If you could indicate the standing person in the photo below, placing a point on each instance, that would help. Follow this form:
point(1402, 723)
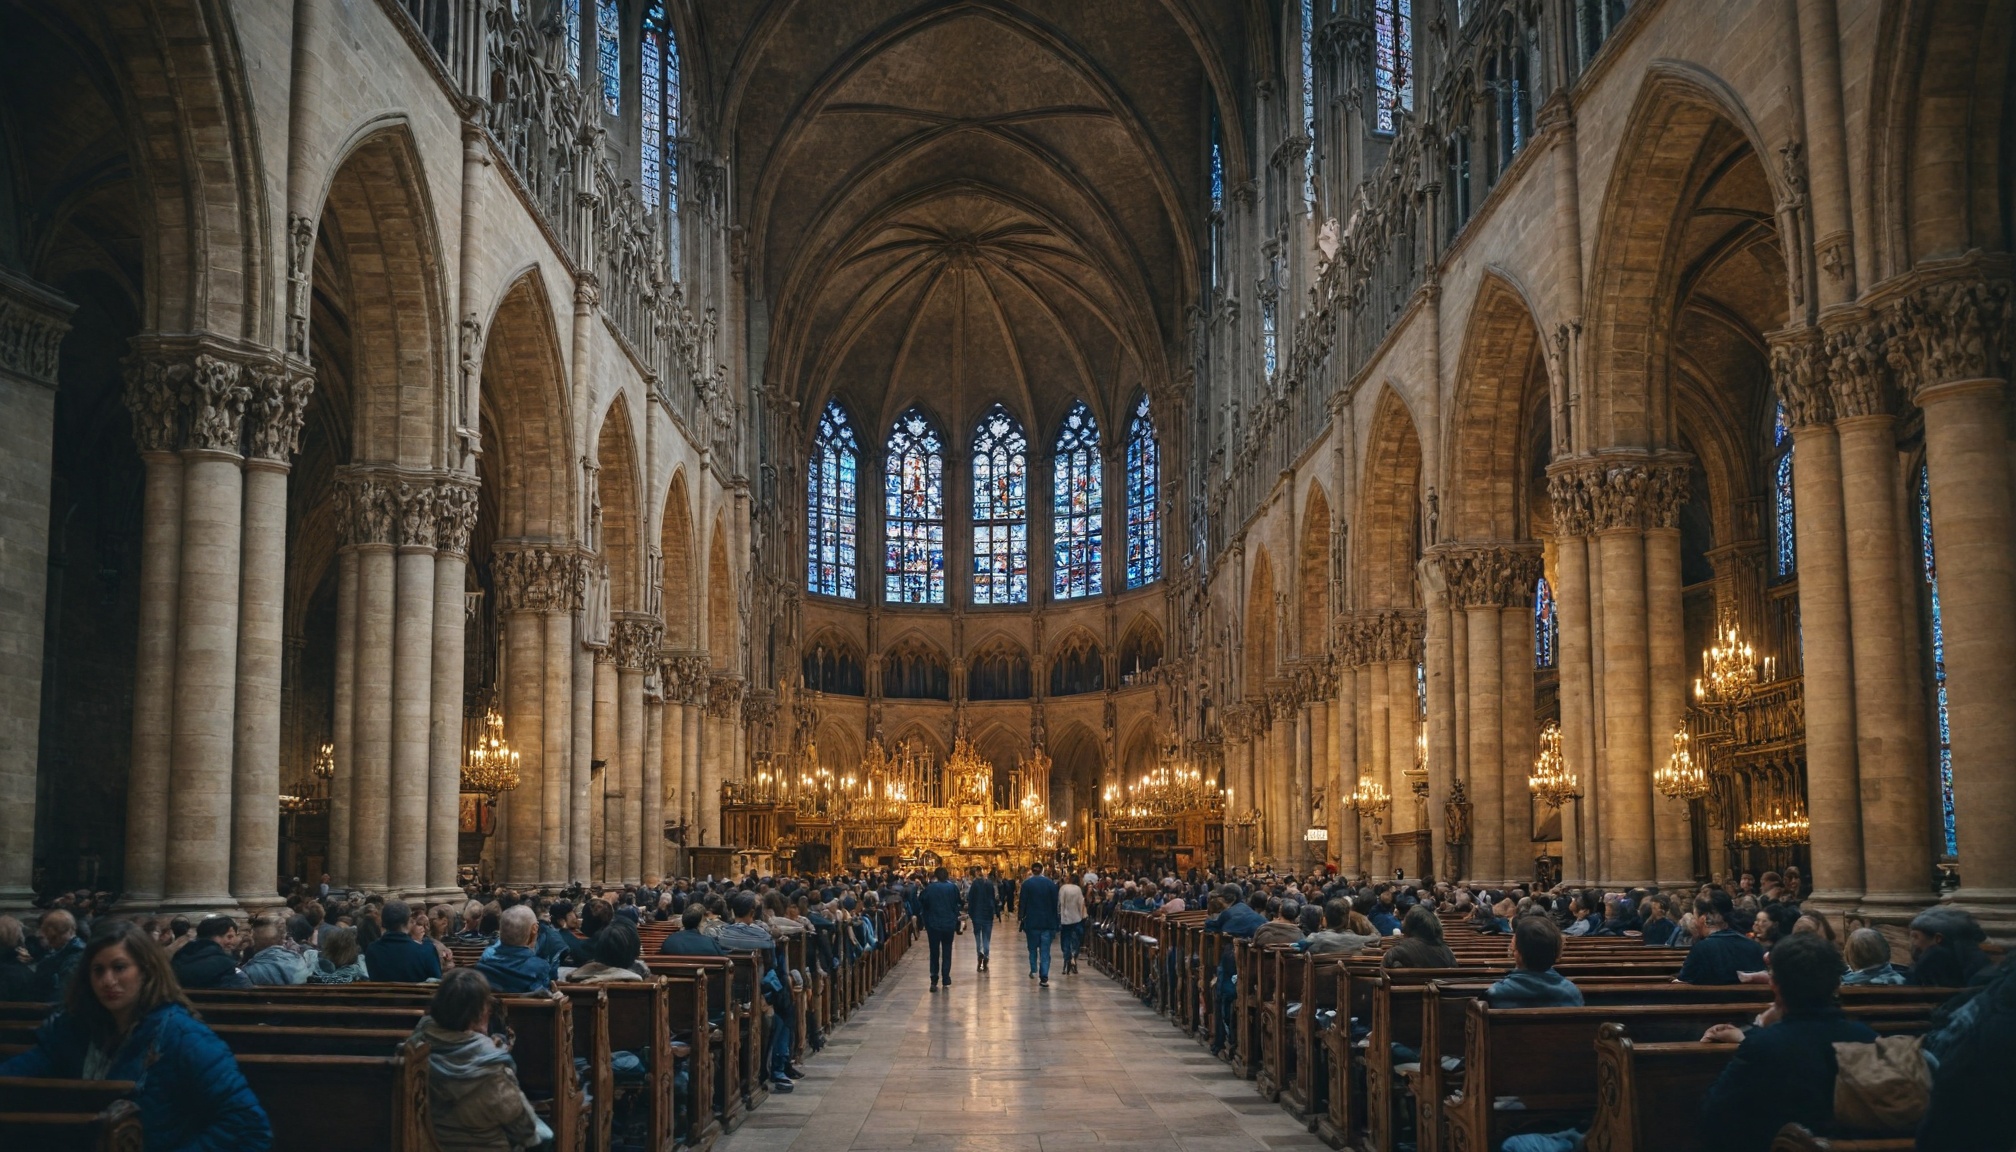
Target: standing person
point(982, 907)
point(938, 907)
point(125, 1018)
point(1039, 920)
point(1071, 921)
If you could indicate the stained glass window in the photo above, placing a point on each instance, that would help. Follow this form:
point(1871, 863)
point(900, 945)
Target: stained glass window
point(1000, 510)
point(1077, 507)
point(1144, 482)
point(913, 510)
point(1786, 559)
point(1309, 104)
point(1546, 625)
point(832, 515)
point(1270, 344)
point(1217, 167)
point(609, 53)
point(1944, 731)
point(1392, 62)
point(651, 125)
point(570, 29)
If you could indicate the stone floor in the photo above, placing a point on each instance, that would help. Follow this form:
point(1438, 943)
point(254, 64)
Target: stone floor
point(998, 1064)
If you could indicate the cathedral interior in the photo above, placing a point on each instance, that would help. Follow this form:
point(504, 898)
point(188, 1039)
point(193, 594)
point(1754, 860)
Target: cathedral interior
point(594, 440)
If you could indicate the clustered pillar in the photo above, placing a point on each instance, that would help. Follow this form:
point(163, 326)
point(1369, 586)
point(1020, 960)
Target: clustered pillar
point(540, 590)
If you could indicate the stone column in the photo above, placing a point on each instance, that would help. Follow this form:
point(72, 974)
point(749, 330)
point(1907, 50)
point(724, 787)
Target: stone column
point(1521, 733)
point(455, 511)
point(206, 658)
point(154, 395)
point(692, 681)
point(584, 809)
point(1300, 791)
point(1439, 658)
point(635, 638)
point(1403, 722)
point(535, 585)
point(1380, 767)
point(373, 511)
point(1666, 642)
point(1281, 776)
point(723, 700)
point(648, 804)
point(33, 321)
point(1945, 344)
point(1617, 492)
point(1890, 734)
point(555, 841)
point(342, 727)
point(602, 810)
point(1833, 787)
point(660, 802)
point(1344, 775)
point(1322, 771)
point(1487, 741)
point(279, 402)
point(409, 816)
point(1365, 756)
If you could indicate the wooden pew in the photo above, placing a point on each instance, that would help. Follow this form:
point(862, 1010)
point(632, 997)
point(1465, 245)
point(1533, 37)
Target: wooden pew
point(691, 1038)
point(113, 1128)
point(591, 1042)
point(357, 1101)
point(1794, 1138)
point(717, 978)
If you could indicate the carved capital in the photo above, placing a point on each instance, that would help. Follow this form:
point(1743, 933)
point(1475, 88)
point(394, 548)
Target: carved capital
point(1799, 375)
point(634, 639)
point(535, 579)
point(724, 697)
point(1949, 330)
point(33, 322)
point(455, 512)
point(1385, 637)
point(1490, 576)
point(1857, 375)
point(217, 395)
point(278, 405)
point(416, 513)
point(367, 509)
point(1570, 498)
point(154, 397)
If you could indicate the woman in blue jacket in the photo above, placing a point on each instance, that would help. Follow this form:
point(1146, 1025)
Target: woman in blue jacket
point(124, 1018)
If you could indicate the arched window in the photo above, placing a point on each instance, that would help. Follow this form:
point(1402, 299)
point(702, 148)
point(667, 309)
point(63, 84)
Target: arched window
point(1309, 105)
point(1144, 527)
point(832, 517)
point(609, 54)
point(913, 485)
point(1546, 625)
point(1215, 271)
point(833, 665)
point(570, 31)
point(914, 670)
point(1077, 666)
point(1078, 507)
point(1392, 62)
point(1785, 561)
point(1000, 510)
point(658, 132)
point(1270, 342)
point(998, 671)
point(1943, 731)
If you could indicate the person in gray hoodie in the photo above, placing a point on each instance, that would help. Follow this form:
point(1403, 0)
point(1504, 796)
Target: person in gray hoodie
point(473, 1098)
point(272, 961)
point(1536, 943)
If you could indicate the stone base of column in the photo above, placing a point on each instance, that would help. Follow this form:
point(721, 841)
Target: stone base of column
point(19, 899)
point(1837, 908)
point(1995, 908)
point(436, 896)
point(196, 907)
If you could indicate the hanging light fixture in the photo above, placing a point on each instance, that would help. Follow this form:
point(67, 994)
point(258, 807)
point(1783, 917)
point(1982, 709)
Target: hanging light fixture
point(491, 766)
point(1728, 666)
point(1681, 777)
point(1369, 798)
point(1551, 780)
point(325, 762)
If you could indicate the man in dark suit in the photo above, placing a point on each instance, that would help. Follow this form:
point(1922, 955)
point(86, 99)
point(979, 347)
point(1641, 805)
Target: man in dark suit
point(1722, 953)
point(982, 908)
point(1039, 920)
point(396, 956)
point(938, 907)
point(689, 940)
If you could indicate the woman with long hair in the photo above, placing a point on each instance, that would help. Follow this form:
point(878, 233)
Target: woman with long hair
point(125, 1018)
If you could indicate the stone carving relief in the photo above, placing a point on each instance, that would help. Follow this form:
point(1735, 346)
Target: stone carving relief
point(32, 326)
point(217, 396)
point(1798, 372)
point(1856, 372)
point(366, 509)
point(539, 579)
point(634, 639)
point(1501, 576)
point(279, 405)
point(417, 517)
point(1949, 330)
point(455, 505)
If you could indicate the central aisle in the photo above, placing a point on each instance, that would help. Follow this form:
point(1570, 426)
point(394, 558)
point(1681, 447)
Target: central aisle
point(998, 1064)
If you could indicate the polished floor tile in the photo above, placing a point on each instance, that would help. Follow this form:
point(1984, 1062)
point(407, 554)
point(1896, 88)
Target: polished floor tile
point(996, 1063)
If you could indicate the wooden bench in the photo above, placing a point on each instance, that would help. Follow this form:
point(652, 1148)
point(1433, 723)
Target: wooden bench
point(1795, 1138)
point(38, 1114)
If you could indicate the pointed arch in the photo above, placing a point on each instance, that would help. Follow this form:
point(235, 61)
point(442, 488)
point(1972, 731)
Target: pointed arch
point(677, 575)
point(1260, 650)
point(1077, 770)
point(1077, 664)
point(1139, 751)
point(1312, 573)
point(722, 635)
point(1390, 529)
point(997, 669)
point(916, 668)
point(377, 225)
point(832, 506)
point(1141, 649)
point(524, 417)
point(913, 513)
point(1077, 507)
point(618, 508)
point(1000, 509)
point(1498, 379)
point(1144, 497)
point(832, 662)
point(840, 747)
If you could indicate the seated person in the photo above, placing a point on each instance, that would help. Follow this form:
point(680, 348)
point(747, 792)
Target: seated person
point(396, 956)
point(689, 940)
point(1720, 953)
point(1282, 927)
point(1868, 956)
point(1946, 949)
point(272, 961)
point(512, 967)
point(125, 1018)
point(1784, 1071)
point(211, 960)
point(473, 1098)
point(1659, 927)
point(1335, 935)
point(616, 949)
point(340, 961)
point(1536, 945)
point(1421, 943)
point(1382, 914)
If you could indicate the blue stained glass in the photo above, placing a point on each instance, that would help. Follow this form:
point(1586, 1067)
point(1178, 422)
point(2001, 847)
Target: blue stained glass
point(1000, 510)
point(609, 53)
point(1392, 62)
point(651, 137)
point(832, 515)
point(1077, 507)
point(1217, 167)
point(1781, 427)
point(570, 28)
point(1781, 488)
point(1931, 572)
point(1420, 690)
point(1144, 479)
point(1270, 346)
point(913, 478)
point(1309, 103)
point(1546, 625)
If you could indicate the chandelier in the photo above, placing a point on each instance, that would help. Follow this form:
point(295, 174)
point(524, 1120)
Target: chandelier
point(1551, 780)
point(1785, 827)
point(1369, 798)
point(325, 762)
point(1172, 787)
point(1728, 666)
point(1681, 777)
point(490, 766)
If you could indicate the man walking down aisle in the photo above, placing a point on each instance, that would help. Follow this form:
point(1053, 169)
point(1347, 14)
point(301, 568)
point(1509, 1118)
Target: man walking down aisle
point(1039, 920)
point(982, 907)
point(938, 907)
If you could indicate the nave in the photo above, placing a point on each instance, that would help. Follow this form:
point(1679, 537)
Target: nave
point(998, 1064)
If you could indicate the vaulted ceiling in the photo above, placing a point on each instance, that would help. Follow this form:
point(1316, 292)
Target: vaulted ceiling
point(961, 201)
